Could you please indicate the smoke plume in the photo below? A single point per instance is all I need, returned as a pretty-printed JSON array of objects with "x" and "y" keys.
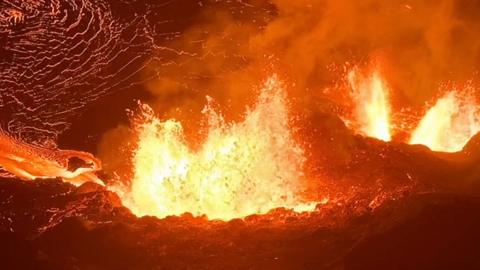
[{"x": 230, "y": 47}]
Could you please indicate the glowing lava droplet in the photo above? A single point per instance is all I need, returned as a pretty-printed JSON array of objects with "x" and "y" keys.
[
  {"x": 372, "y": 107},
  {"x": 241, "y": 169},
  {"x": 449, "y": 124}
]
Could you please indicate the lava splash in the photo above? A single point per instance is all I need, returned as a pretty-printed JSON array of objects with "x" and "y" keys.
[
  {"x": 446, "y": 126},
  {"x": 243, "y": 168},
  {"x": 449, "y": 124},
  {"x": 372, "y": 107}
]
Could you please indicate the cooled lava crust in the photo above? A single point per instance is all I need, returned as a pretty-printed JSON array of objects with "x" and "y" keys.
[{"x": 48, "y": 224}]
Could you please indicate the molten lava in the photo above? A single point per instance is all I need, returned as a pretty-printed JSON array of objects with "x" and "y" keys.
[
  {"x": 241, "y": 169},
  {"x": 449, "y": 124},
  {"x": 372, "y": 107},
  {"x": 29, "y": 162}
]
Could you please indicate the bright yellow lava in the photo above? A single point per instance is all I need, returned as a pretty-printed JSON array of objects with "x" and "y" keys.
[
  {"x": 449, "y": 124},
  {"x": 372, "y": 105},
  {"x": 241, "y": 169}
]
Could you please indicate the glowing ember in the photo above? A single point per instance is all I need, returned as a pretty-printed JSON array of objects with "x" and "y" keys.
[
  {"x": 242, "y": 168},
  {"x": 372, "y": 107},
  {"x": 449, "y": 124},
  {"x": 29, "y": 162}
]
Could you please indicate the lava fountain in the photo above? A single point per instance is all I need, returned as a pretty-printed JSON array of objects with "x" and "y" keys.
[
  {"x": 243, "y": 168},
  {"x": 372, "y": 106},
  {"x": 449, "y": 124}
]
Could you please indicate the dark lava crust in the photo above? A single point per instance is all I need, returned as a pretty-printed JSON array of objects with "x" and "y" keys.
[{"x": 48, "y": 224}]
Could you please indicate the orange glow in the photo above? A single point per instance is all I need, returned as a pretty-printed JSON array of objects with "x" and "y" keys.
[
  {"x": 372, "y": 107},
  {"x": 449, "y": 124},
  {"x": 241, "y": 169},
  {"x": 29, "y": 162}
]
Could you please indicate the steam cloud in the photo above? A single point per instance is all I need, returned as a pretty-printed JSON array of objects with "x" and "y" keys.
[
  {"x": 423, "y": 44},
  {"x": 231, "y": 46}
]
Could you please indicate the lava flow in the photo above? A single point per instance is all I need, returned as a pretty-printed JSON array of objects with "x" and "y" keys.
[
  {"x": 29, "y": 162},
  {"x": 241, "y": 169}
]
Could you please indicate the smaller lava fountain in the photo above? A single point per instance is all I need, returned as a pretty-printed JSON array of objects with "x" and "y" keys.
[
  {"x": 241, "y": 169},
  {"x": 372, "y": 106},
  {"x": 449, "y": 124},
  {"x": 446, "y": 127}
]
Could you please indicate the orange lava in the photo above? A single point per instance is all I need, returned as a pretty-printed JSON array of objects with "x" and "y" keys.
[
  {"x": 243, "y": 168},
  {"x": 29, "y": 162},
  {"x": 372, "y": 106},
  {"x": 449, "y": 124}
]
